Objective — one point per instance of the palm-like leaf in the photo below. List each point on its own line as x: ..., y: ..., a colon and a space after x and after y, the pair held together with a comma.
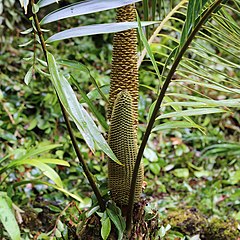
x: 206, y: 12
x: 210, y: 65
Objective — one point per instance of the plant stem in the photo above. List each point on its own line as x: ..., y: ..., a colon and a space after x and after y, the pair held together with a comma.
x: 70, y: 131
x: 176, y: 62
x: 81, y: 160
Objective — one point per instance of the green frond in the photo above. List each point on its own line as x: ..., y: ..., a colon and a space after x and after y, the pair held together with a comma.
x: 210, y: 65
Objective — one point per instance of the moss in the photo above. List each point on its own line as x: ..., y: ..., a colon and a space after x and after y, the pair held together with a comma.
x: 188, y: 221
x: 220, y: 229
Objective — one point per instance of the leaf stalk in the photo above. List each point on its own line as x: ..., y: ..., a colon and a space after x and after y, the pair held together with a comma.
x: 70, y: 131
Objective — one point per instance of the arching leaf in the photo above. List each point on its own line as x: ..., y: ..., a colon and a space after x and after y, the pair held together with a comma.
x: 7, y: 217
x: 79, y: 115
x: 95, y: 29
x: 82, y: 8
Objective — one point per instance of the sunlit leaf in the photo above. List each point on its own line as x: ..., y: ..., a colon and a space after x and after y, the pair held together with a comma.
x: 25, y: 44
x: 106, y: 228
x: 52, y: 161
x: 37, y: 182
x: 191, y: 112
x: 27, y: 31
x: 95, y: 29
x: 47, y: 170
x: 81, y: 67
x: 93, y: 109
x: 7, y: 217
x: 80, y: 116
x: 92, y: 211
x: 25, y: 5
x: 28, y: 76
x: 38, y: 150
x: 174, y: 124
x: 81, y: 8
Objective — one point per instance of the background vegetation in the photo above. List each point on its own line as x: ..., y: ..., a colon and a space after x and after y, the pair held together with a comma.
x: 184, y: 167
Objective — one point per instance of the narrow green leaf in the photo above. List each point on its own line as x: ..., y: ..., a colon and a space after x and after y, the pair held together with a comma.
x: 195, y: 8
x: 25, y: 44
x: 7, y: 217
x: 146, y: 45
x: 151, y: 110
x: 74, y: 64
x: 223, y: 103
x: 229, y: 149
x: 47, y: 170
x: 94, y: 94
x: 94, y: 110
x: 207, y: 103
x: 192, y: 112
x: 106, y: 228
x: 52, y: 161
x: 80, y: 116
x: 174, y: 124
x: 146, y: 14
x: 28, y: 76
x: 92, y: 211
x: 167, y: 62
x: 177, y: 108
x: 39, y: 149
x: 82, y: 8
x: 69, y: 101
x: 189, y: 104
x: 82, y: 67
x: 117, y: 222
x: 27, y: 31
x: 95, y: 29
x: 216, y: 86
x: 37, y: 182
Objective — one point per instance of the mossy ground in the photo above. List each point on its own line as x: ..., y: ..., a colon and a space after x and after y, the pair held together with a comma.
x: 190, y: 221
x: 187, y: 221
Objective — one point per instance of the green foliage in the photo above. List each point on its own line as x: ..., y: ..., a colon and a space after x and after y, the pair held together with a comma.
x: 7, y: 217
x: 79, y: 115
x: 183, y: 166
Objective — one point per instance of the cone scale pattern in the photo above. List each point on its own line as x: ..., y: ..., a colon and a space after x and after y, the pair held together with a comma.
x: 123, y: 143
x: 123, y: 111
x: 124, y: 74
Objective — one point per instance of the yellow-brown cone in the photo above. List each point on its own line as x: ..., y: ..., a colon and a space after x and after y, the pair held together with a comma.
x: 123, y: 142
x: 124, y: 73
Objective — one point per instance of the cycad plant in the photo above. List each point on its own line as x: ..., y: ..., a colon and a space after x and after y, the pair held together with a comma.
x: 184, y: 61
